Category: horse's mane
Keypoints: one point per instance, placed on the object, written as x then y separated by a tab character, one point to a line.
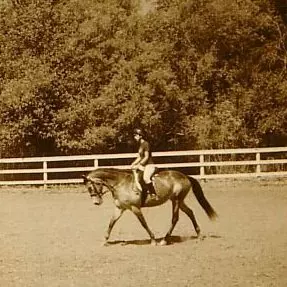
114	170
110	173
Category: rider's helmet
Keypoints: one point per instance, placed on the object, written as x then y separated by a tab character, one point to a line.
138	132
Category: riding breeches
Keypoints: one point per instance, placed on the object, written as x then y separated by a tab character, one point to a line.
148	172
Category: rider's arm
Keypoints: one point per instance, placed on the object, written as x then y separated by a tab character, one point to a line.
144	160
136	161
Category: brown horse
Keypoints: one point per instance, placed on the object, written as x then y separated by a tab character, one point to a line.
170	184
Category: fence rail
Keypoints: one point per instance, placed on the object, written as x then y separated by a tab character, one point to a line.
202	164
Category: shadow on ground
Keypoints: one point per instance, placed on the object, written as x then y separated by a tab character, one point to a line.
173	240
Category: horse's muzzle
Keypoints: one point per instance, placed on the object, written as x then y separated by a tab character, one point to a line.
97	201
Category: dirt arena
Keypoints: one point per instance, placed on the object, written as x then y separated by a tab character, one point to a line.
54	238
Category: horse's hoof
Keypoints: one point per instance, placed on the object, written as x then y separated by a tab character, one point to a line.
200	237
198	232
153	242
163	242
105	244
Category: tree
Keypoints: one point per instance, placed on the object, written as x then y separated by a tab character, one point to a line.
32	35
77	76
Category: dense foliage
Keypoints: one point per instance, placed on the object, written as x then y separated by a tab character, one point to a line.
77	76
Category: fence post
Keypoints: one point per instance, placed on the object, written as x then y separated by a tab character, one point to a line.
258	168
96	163
201	160
45	174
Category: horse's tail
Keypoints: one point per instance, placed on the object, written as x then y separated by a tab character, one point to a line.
198	192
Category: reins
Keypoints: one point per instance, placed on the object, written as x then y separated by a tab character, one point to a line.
103	183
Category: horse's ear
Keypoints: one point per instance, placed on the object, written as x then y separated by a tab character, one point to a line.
85	178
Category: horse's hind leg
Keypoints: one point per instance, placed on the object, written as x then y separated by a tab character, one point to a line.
175	216
190	214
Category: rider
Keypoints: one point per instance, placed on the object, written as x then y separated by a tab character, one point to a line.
144	162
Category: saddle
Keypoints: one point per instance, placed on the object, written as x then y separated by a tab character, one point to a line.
141	186
138	178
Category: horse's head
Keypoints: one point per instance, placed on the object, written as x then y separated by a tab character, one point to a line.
95	188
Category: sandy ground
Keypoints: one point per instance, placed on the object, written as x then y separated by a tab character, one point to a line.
54	238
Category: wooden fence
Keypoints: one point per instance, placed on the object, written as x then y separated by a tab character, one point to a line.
202	164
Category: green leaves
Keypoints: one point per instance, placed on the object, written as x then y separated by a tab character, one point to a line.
78	76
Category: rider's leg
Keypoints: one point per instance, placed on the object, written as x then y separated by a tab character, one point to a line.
148	172
138	179
151	189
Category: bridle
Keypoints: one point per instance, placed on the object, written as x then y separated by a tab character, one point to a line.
99	191
97	188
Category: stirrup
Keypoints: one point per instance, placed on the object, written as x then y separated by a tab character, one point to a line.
153	196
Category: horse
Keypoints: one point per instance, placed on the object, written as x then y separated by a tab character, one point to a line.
169	185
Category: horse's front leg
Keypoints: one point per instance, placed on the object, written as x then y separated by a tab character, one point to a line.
139	215
116	216
175	216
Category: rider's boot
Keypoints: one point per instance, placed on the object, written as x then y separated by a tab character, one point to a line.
151	191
